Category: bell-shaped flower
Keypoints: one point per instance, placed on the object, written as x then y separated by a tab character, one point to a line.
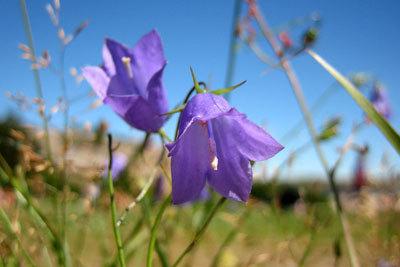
215	145
130	81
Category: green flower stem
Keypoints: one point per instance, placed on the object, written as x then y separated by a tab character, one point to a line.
38	83
391	135
296	86
154	229
139	198
117	234
146	212
200	232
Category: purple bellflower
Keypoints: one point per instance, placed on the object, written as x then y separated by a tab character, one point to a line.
130	81
215	145
160	187
380	100
118	165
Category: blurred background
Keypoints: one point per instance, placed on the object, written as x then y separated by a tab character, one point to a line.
359	37
356	36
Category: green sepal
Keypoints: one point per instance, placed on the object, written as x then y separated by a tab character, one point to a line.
227	90
196	83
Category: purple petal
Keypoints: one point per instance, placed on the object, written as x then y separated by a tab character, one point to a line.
247	138
141	115
203	107
190	162
98	79
232	178
148	57
108	64
121	104
237	141
118	51
157	98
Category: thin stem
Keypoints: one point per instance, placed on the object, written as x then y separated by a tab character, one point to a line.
117	234
65	188
154	229
297	89
200	232
36	76
146	212
139	198
232	45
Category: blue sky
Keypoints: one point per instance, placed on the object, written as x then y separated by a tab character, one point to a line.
357	35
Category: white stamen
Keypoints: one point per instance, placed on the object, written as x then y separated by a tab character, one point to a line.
127	64
214	163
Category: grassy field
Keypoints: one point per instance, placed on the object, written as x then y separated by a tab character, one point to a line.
259	234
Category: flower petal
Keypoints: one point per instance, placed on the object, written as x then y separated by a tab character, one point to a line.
203	107
141	115
189	163
232	177
98	79
148	56
119	97
108	63
117	52
157	98
249	140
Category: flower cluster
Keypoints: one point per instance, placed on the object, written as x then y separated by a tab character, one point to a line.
216	144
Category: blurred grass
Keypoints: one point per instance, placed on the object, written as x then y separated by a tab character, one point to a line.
273	237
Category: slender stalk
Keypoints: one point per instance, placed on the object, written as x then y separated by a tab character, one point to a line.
200	232
232	45
146	212
154	229
117	234
36	76
139	198
297	89
65	187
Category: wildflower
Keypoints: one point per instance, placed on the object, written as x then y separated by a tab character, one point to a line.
215	145
130	81
380	100
160	187
118	165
